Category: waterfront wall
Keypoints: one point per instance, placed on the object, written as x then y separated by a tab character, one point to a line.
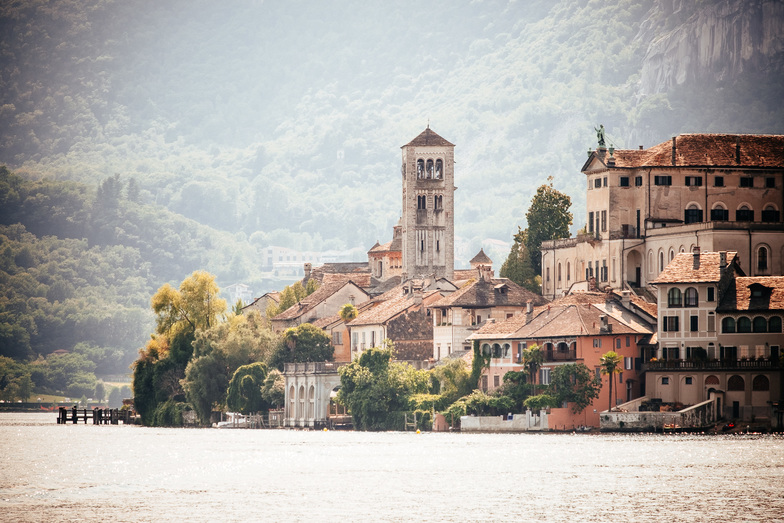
519	423
626	420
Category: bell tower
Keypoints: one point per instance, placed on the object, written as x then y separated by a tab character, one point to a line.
428	207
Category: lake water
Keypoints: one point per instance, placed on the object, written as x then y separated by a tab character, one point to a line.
50	472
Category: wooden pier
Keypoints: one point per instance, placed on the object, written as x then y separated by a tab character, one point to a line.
97	415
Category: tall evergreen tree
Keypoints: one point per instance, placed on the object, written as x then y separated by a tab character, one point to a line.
548	218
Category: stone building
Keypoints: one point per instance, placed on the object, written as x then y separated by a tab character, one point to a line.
713	191
428	207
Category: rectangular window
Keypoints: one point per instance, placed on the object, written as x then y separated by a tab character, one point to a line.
628	341
694	323
720	215
598	371
662	180
604	221
718	181
496	380
605	181
711	322
597	183
694	181
638	181
628	363
337	338
670	324
770	182
620	377
689	380
544	376
711	293
770	215
624	181
618	343
744	215
692	216
665	380
746	181
590	222
597	342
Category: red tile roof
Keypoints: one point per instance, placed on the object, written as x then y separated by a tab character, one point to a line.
707	150
490	293
761	293
388	309
302	307
429	137
681	268
481	257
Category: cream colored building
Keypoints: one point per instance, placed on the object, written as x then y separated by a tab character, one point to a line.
712	191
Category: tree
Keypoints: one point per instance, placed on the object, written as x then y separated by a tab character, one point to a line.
194	306
290	295
532	360
245	393
304	343
576	384
372	387
517	266
610	363
548	218
100	392
348	312
15	381
274	391
453	380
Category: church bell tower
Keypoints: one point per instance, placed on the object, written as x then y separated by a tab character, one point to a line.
428	207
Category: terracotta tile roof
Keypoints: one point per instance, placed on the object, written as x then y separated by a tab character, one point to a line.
577	314
323	323
464	274
481	257
387	247
490	293
300	308
759	293
681	268
360	279
708	150
389	308
429	137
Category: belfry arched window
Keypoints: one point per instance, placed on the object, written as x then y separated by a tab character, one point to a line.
420	168
430	169
439	169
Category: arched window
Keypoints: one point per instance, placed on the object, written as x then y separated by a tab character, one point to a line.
762	259
430	169
728	325
292	402
692	214
759	324
744	214
486	351
311	402
301	404
674	297
736	383
690	297
711	380
420	168
770	213
744	324
774	324
761	383
559	271
672	254
661	261
497	352
439	169
568	271
719	213
507	348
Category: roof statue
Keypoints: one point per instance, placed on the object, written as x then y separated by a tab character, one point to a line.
600	135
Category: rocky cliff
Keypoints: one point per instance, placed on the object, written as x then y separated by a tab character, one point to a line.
693	42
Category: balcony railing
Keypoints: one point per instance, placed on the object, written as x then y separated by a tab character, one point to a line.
560	355
690	365
316	367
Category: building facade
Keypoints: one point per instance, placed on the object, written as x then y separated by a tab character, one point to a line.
713	191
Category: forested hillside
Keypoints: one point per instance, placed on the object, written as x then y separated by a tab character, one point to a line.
170	136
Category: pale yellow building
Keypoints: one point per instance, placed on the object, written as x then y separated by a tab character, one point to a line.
712	191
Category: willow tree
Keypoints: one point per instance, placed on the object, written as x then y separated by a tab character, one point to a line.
246	389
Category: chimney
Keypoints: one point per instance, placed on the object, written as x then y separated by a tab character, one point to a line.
605	327
641	147
529	307
485	272
308	268
737	150
696	254
673	150
722	259
626	298
418	296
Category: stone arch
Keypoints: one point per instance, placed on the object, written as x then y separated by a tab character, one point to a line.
301	402
634	268
760	383
736	383
711	380
311	402
762	254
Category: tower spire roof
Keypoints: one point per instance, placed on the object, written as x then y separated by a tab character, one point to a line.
429	137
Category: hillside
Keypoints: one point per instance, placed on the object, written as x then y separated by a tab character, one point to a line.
273	123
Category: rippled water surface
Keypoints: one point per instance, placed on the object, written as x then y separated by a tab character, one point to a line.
50	472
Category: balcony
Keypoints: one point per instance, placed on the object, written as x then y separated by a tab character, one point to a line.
560	355
316	367
713	365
